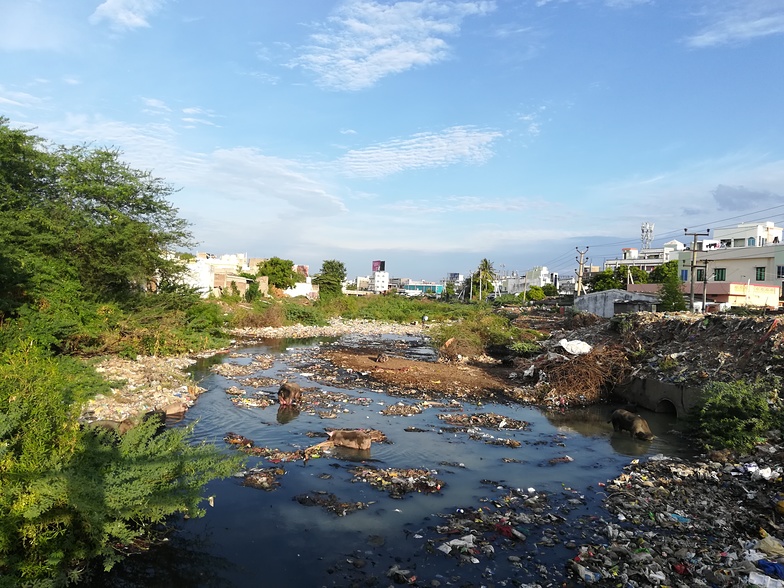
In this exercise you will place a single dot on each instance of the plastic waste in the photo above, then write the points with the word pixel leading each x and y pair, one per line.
pixel 575 347
pixel 757 579
pixel 771 546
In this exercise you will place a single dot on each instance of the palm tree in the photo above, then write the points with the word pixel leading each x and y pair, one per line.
pixel 484 276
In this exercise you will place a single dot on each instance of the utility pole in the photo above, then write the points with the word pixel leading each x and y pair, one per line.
pixel 704 284
pixel 581 266
pixel 693 262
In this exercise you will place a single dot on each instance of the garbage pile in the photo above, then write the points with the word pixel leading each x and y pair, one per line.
pixel 330 503
pixel 706 523
pixel 398 482
pixel 690 349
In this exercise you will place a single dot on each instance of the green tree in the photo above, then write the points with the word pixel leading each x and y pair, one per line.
pixel 535 293
pixel 281 273
pixel 660 273
pixel 330 279
pixel 448 293
pixel 550 290
pixel 605 280
pixel 631 274
pixel 482 279
pixel 85 215
pixel 670 293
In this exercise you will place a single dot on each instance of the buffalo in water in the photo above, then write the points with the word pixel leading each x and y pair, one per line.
pixel 289 394
pixel 623 420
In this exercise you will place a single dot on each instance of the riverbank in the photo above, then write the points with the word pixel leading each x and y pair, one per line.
pixel 668 522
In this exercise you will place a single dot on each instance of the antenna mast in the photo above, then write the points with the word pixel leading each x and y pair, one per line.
pixel 647 235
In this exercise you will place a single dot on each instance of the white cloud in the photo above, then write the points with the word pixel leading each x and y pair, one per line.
pixel 191 121
pixel 366 40
pixel 465 204
pixel 740 21
pixel 126 14
pixel 20 99
pixel 154 104
pixel 423 150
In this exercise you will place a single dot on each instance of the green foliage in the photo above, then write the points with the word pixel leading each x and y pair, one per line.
pixel 481 328
pixel 670 294
pixel 281 273
pixel 330 279
pixel 659 274
pixel 524 348
pixel 617 278
pixel 736 415
pixel 481 281
pixel 535 293
pixel 300 311
pixel 70 495
pixel 550 290
pixel 605 280
pixel 508 300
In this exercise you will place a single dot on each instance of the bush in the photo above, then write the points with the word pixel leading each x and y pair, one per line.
pixel 72 496
pixel 736 415
pixel 300 312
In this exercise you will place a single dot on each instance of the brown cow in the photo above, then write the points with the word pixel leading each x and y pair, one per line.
pixel 289 394
pixel 351 439
pixel 623 420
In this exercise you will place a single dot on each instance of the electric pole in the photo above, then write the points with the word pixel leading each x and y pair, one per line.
pixel 704 284
pixel 581 268
pixel 693 262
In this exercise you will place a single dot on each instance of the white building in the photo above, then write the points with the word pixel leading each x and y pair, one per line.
pixel 646 259
pixel 379 282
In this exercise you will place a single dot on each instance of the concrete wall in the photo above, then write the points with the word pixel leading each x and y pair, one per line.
pixel 603 303
pixel 660 396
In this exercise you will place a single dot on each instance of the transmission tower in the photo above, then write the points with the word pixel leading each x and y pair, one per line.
pixel 647 235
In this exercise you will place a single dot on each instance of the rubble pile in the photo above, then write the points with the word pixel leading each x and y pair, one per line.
pixel 337 327
pixel 141 385
pixel 690 349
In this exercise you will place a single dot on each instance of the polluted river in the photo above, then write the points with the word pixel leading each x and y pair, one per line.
pixel 428 505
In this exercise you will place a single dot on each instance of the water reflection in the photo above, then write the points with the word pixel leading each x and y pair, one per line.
pixel 248 530
pixel 286 414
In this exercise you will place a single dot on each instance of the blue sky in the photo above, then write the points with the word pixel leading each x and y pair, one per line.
pixel 430 134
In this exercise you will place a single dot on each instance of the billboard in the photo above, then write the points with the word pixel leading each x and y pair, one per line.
pixel 378 266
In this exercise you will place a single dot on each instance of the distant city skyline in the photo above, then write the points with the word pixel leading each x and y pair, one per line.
pixel 430 134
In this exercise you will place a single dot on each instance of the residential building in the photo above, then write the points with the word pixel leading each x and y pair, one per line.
pixel 379 282
pixel 748 254
pixel 646 259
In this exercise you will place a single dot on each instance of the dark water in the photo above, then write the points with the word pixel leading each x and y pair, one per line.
pixel 255 538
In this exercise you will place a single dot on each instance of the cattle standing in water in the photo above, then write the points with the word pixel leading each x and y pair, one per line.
pixel 351 439
pixel 289 394
pixel 623 420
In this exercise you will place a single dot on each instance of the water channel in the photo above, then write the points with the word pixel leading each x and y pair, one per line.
pixel 250 537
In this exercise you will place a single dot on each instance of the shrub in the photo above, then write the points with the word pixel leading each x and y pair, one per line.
pixel 72 496
pixel 736 415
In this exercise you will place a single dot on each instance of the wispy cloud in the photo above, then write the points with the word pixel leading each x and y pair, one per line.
pixel 366 40
pixel 154 105
pixel 126 14
pixel 22 99
pixel 423 150
pixel 464 204
pixel 740 21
